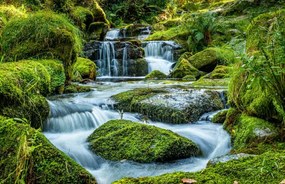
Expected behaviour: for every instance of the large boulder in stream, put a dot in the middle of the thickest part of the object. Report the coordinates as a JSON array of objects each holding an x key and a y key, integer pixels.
[
  {"x": 123, "y": 139},
  {"x": 171, "y": 105},
  {"x": 26, "y": 156}
]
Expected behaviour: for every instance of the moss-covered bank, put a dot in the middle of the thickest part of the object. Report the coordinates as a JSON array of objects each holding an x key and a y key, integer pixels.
[
  {"x": 26, "y": 156},
  {"x": 84, "y": 69},
  {"x": 41, "y": 35},
  {"x": 266, "y": 168},
  {"x": 123, "y": 139}
]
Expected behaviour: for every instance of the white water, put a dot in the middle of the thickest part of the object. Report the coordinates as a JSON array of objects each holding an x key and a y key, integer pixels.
[
  {"x": 73, "y": 119},
  {"x": 159, "y": 55},
  {"x": 113, "y": 34}
]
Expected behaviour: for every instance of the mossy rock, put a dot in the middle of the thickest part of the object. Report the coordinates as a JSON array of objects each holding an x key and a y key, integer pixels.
[
  {"x": 175, "y": 106},
  {"x": 84, "y": 69},
  {"x": 156, "y": 74},
  {"x": 266, "y": 168},
  {"x": 75, "y": 88},
  {"x": 184, "y": 68},
  {"x": 7, "y": 12},
  {"x": 208, "y": 59},
  {"x": 220, "y": 117},
  {"x": 21, "y": 86},
  {"x": 41, "y": 35},
  {"x": 203, "y": 82},
  {"x": 189, "y": 78},
  {"x": 33, "y": 159},
  {"x": 251, "y": 131},
  {"x": 82, "y": 17},
  {"x": 137, "y": 67},
  {"x": 57, "y": 74},
  {"x": 220, "y": 72},
  {"x": 97, "y": 30},
  {"x": 123, "y": 139}
]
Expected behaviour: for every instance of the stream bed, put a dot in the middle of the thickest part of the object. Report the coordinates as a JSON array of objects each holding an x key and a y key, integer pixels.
[{"x": 74, "y": 117}]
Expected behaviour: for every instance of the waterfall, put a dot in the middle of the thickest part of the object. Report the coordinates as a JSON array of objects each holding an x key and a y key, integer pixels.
[
  {"x": 144, "y": 33},
  {"x": 113, "y": 34},
  {"x": 125, "y": 61},
  {"x": 108, "y": 64},
  {"x": 159, "y": 55}
]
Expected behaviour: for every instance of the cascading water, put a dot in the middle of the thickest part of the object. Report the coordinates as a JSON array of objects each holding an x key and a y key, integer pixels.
[
  {"x": 108, "y": 63},
  {"x": 73, "y": 119},
  {"x": 159, "y": 55},
  {"x": 113, "y": 34}
]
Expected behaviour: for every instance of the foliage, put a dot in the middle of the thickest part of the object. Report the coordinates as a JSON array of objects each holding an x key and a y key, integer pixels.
[
  {"x": 266, "y": 168},
  {"x": 32, "y": 158},
  {"x": 41, "y": 35},
  {"x": 123, "y": 139}
]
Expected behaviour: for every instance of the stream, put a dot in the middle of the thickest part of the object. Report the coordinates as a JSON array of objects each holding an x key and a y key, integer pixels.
[{"x": 74, "y": 117}]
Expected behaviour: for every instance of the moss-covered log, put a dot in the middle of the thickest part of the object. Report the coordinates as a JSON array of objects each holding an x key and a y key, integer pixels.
[{"x": 123, "y": 139}]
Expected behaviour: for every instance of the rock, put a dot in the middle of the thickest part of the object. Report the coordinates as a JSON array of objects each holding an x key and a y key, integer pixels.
[
  {"x": 208, "y": 59},
  {"x": 227, "y": 158},
  {"x": 155, "y": 75},
  {"x": 220, "y": 117},
  {"x": 83, "y": 69},
  {"x": 169, "y": 105},
  {"x": 28, "y": 151},
  {"x": 123, "y": 139},
  {"x": 282, "y": 182},
  {"x": 184, "y": 68}
]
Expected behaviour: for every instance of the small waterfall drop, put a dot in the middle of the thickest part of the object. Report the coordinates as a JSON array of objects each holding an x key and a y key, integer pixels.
[
  {"x": 159, "y": 55},
  {"x": 113, "y": 34}
]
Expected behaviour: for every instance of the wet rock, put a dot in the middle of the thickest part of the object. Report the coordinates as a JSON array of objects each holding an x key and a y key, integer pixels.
[{"x": 227, "y": 158}]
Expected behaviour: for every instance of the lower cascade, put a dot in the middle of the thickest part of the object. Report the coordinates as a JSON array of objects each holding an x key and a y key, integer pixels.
[{"x": 74, "y": 118}]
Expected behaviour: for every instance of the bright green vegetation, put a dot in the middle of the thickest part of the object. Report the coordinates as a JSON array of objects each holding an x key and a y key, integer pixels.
[
  {"x": 41, "y": 35},
  {"x": 21, "y": 86},
  {"x": 75, "y": 88},
  {"x": 156, "y": 75},
  {"x": 220, "y": 117},
  {"x": 266, "y": 168},
  {"x": 184, "y": 68},
  {"x": 84, "y": 69},
  {"x": 123, "y": 139},
  {"x": 26, "y": 156}
]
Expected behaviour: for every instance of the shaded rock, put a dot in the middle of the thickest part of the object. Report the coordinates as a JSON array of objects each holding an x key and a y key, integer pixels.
[
  {"x": 155, "y": 75},
  {"x": 123, "y": 139}
]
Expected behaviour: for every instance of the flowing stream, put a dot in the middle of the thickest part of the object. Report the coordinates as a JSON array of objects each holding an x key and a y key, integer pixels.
[{"x": 74, "y": 117}]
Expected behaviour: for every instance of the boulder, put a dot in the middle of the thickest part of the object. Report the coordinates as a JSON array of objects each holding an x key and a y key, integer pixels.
[
  {"x": 28, "y": 157},
  {"x": 84, "y": 69},
  {"x": 123, "y": 139},
  {"x": 156, "y": 74}
]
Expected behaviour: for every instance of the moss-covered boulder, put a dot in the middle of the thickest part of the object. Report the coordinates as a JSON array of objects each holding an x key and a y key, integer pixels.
[
  {"x": 220, "y": 117},
  {"x": 266, "y": 168},
  {"x": 22, "y": 85},
  {"x": 26, "y": 156},
  {"x": 251, "y": 131},
  {"x": 209, "y": 58},
  {"x": 123, "y": 139},
  {"x": 7, "y": 12},
  {"x": 184, "y": 68},
  {"x": 84, "y": 69},
  {"x": 41, "y": 35},
  {"x": 220, "y": 72},
  {"x": 156, "y": 74},
  {"x": 169, "y": 105}
]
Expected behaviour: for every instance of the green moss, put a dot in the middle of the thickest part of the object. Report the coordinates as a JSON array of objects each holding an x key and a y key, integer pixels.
[
  {"x": 21, "y": 86},
  {"x": 56, "y": 71},
  {"x": 265, "y": 168},
  {"x": 231, "y": 120},
  {"x": 251, "y": 131},
  {"x": 189, "y": 78},
  {"x": 28, "y": 157},
  {"x": 220, "y": 117},
  {"x": 84, "y": 69},
  {"x": 41, "y": 35},
  {"x": 82, "y": 17},
  {"x": 7, "y": 12},
  {"x": 209, "y": 58},
  {"x": 156, "y": 74},
  {"x": 97, "y": 30},
  {"x": 211, "y": 82},
  {"x": 178, "y": 34},
  {"x": 220, "y": 72},
  {"x": 75, "y": 88},
  {"x": 184, "y": 68},
  {"x": 123, "y": 139}
]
